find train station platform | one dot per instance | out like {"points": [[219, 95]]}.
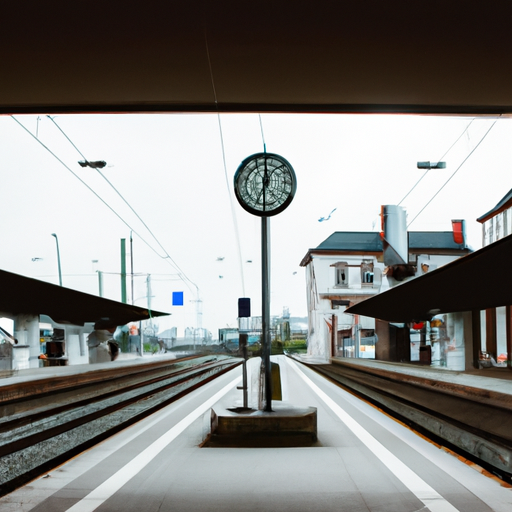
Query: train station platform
{"points": [[491, 379], [362, 461]]}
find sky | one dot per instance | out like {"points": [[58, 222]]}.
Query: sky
{"points": [[173, 178]]}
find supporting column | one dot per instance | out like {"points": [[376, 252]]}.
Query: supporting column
{"points": [[490, 332], [476, 332], [26, 331], [123, 270], [508, 320]]}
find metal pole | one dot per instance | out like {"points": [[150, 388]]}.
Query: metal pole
{"points": [[123, 270], [244, 369], [148, 291], [100, 282], [131, 262], [58, 258], [265, 310]]}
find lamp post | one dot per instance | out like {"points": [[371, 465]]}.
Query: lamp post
{"points": [[431, 165], [58, 257]]}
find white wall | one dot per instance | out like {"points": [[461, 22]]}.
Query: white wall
{"points": [[320, 280]]}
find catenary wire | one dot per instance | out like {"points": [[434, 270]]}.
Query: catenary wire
{"points": [[262, 134], [446, 152], [167, 256], [231, 202], [99, 197], [456, 170]]}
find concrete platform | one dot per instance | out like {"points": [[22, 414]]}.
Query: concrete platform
{"points": [[285, 426]]}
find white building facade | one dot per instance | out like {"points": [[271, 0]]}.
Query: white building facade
{"points": [[349, 267]]}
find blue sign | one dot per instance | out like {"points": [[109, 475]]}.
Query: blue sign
{"points": [[177, 298]]}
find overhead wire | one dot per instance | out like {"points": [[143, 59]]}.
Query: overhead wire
{"points": [[166, 258], [228, 186], [262, 134], [456, 170], [439, 160]]}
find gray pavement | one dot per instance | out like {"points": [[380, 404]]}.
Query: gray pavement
{"points": [[33, 374], [362, 461], [492, 379]]}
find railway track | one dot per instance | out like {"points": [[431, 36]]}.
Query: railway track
{"points": [[474, 423], [46, 421]]}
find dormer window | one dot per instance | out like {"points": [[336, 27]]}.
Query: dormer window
{"points": [[341, 274], [353, 275], [367, 274]]}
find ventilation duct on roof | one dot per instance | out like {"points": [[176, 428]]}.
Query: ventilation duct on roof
{"points": [[394, 235]]}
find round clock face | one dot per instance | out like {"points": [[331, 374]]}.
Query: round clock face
{"points": [[265, 184]]}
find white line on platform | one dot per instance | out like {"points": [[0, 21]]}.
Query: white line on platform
{"points": [[424, 492], [108, 488]]}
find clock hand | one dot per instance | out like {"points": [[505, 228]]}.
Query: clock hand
{"points": [[258, 198]]}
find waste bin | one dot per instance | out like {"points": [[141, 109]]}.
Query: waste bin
{"points": [[425, 354]]}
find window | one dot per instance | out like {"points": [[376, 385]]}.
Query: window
{"points": [[497, 223], [367, 274], [341, 276], [336, 304]]}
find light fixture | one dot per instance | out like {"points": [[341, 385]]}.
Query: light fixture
{"points": [[431, 165], [98, 164]]}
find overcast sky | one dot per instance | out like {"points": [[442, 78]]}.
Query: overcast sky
{"points": [[170, 169]]}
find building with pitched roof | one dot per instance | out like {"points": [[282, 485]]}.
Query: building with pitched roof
{"points": [[350, 267], [469, 298]]}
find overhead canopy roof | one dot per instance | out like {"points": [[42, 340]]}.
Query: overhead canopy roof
{"points": [[261, 55], [505, 203], [477, 281], [24, 295]]}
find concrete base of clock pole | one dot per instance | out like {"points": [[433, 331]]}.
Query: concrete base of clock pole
{"points": [[284, 426]]}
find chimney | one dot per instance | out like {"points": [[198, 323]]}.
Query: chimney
{"points": [[459, 231], [394, 235]]}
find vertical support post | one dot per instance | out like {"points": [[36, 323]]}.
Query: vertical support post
{"points": [[334, 335], [100, 283], [123, 270], [265, 310], [243, 344], [491, 344], [477, 336], [508, 323], [131, 264], [148, 291], [357, 337], [58, 258]]}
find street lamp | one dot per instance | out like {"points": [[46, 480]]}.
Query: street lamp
{"points": [[431, 165], [58, 258]]}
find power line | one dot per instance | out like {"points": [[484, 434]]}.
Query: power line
{"points": [[124, 200], [166, 258], [231, 203], [262, 134], [446, 152], [456, 170]]}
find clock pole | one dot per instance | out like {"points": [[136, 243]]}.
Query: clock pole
{"points": [[265, 185], [265, 310]]}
